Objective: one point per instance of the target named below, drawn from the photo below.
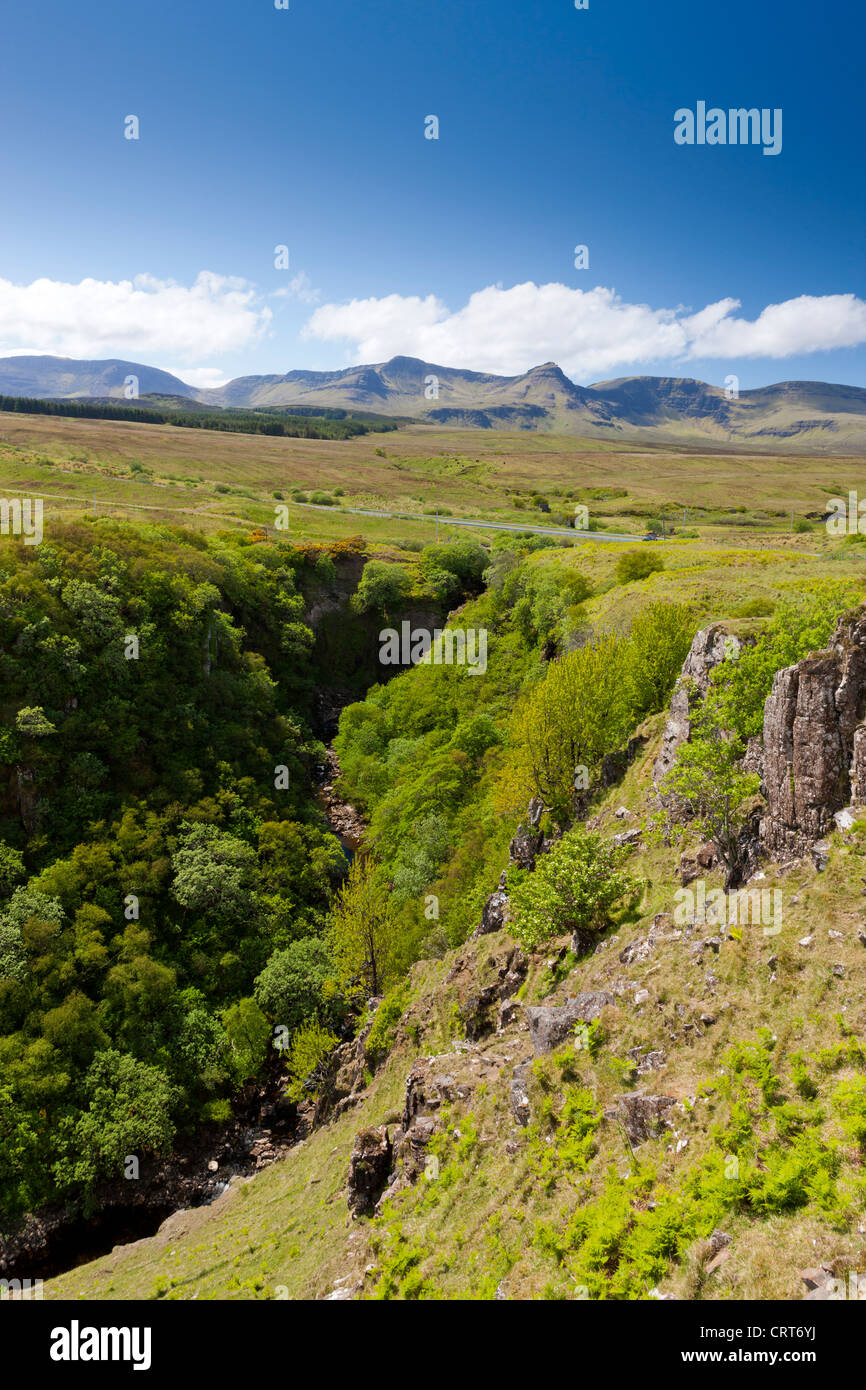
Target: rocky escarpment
(710, 647)
(814, 743)
(812, 754)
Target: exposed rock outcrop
(529, 840)
(710, 647)
(814, 760)
(502, 974)
(369, 1167)
(494, 915)
(643, 1116)
(550, 1024)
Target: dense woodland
(169, 891)
(319, 424)
(150, 866)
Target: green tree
(382, 589)
(11, 868)
(213, 872)
(249, 1034)
(576, 714)
(32, 722)
(708, 782)
(660, 637)
(292, 987)
(574, 888)
(129, 1112)
(361, 935)
(26, 906)
(22, 1179)
(466, 560)
(309, 1049)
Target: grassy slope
(472, 473)
(289, 1229)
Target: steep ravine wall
(345, 658)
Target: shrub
(388, 1015)
(755, 608)
(637, 564)
(382, 587)
(574, 888)
(311, 1045)
(466, 560)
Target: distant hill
(61, 377)
(806, 416)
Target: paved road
(486, 525)
(204, 510)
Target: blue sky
(305, 127)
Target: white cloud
(140, 318)
(590, 333)
(299, 287)
(807, 324)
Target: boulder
(643, 1116)
(550, 1025)
(647, 1062)
(628, 837)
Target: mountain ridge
(813, 414)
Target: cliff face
(814, 762)
(710, 647)
(812, 756)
